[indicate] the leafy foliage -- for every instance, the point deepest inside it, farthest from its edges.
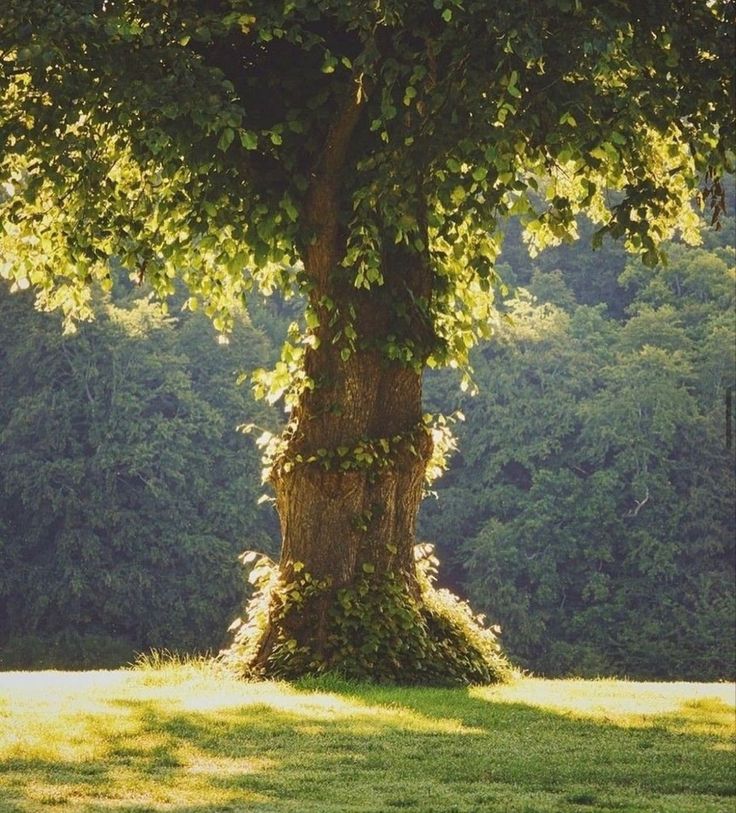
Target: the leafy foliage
(125, 492)
(591, 509)
(196, 158)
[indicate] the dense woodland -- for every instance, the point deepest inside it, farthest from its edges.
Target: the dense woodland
(588, 509)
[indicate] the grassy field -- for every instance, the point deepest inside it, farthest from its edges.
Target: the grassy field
(188, 740)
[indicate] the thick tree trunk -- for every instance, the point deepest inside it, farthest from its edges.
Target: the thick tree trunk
(349, 482)
(350, 478)
(348, 490)
(356, 501)
(350, 475)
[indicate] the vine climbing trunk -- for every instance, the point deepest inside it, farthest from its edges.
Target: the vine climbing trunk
(348, 488)
(350, 472)
(349, 480)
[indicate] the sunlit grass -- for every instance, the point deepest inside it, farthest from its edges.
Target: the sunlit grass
(184, 737)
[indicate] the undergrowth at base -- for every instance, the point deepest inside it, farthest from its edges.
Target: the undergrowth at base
(377, 631)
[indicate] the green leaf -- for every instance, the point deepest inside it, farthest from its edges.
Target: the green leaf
(409, 94)
(290, 209)
(248, 139)
(226, 139)
(458, 195)
(650, 258)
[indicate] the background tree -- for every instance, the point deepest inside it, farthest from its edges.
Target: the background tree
(590, 509)
(125, 493)
(364, 154)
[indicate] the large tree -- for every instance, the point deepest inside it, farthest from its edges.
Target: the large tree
(364, 154)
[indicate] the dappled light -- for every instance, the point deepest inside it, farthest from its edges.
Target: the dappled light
(187, 738)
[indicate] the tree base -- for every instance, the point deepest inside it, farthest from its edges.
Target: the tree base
(374, 630)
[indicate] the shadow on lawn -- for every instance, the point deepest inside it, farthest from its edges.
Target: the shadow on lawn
(371, 749)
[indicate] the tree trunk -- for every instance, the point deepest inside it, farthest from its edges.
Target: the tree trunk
(349, 480)
(350, 474)
(348, 488)
(356, 501)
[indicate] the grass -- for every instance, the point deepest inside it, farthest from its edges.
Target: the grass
(187, 739)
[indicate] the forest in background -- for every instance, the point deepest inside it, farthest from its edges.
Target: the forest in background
(588, 509)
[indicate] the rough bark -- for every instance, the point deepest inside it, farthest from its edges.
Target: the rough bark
(342, 518)
(342, 523)
(347, 595)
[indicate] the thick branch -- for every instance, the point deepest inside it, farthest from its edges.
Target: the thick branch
(323, 196)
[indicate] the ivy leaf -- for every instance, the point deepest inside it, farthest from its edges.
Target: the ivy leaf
(248, 139)
(226, 138)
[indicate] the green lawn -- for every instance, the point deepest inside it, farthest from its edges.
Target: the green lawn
(187, 739)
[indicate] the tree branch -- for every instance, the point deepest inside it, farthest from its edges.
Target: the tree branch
(639, 505)
(322, 200)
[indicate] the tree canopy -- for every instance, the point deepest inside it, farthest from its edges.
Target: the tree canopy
(192, 139)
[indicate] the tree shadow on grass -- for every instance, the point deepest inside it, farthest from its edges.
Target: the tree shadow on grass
(373, 750)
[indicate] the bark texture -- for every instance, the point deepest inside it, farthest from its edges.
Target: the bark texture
(340, 524)
(349, 479)
(342, 517)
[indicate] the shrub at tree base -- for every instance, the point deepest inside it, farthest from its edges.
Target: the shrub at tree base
(377, 630)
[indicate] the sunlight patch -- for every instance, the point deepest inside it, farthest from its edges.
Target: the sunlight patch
(614, 701)
(225, 766)
(281, 698)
